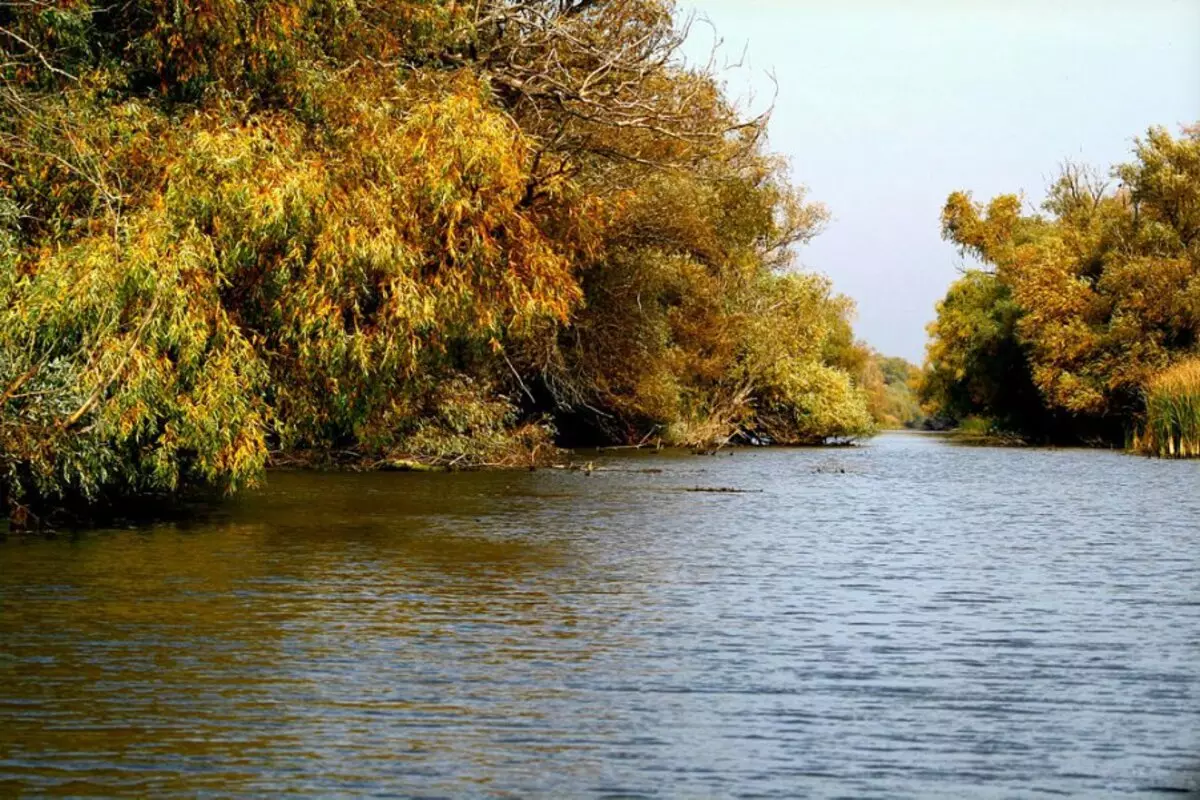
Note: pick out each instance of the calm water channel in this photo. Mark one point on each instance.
(908, 618)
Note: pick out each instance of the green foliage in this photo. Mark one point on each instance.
(977, 365)
(808, 403)
(693, 324)
(891, 386)
(401, 231)
(897, 370)
(1086, 304)
(123, 373)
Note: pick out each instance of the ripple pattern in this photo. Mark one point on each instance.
(905, 619)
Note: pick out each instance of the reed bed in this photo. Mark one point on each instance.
(1172, 428)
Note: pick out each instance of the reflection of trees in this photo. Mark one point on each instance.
(323, 618)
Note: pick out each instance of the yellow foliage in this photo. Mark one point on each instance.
(1172, 425)
(1106, 286)
(381, 232)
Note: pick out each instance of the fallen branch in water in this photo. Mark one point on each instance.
(590, 467)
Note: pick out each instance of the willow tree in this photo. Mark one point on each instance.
(692, 232)
(1106, 282)
(696, 327)
(243, 232)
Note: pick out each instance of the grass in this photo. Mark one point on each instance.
(1172, 428)
(985, 432)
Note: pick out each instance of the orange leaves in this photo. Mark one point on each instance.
(367, 257)
(466, 169)
(1106, 288)
(369, 224)
(687, 324)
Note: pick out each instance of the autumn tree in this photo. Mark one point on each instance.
(1103, 286)
(241, 233)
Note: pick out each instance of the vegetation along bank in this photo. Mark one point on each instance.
(1082, 322)
(425, 232)
(323, 232)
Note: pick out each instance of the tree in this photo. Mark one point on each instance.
(976, 364)
(299, 231)
(1105, 286)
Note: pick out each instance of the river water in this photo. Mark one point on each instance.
(909, 618)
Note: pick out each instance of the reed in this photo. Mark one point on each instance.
(1172, 428)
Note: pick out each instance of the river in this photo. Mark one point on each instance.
(909, 618)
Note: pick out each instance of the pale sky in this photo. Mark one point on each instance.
(885, 107)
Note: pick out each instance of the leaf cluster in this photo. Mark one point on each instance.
(235, 233)
(1086, 302)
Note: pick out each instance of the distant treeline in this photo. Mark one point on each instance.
(243, 232)
(891, 385)
(1083, 325)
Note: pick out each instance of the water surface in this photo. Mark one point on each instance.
(909, 618)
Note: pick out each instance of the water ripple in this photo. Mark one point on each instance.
(907, 619)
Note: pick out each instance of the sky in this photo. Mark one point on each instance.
(886, 107)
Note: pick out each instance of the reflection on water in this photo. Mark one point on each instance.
(906, 618)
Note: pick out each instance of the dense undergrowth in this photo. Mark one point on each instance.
(1084, 323)
(321, 232)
